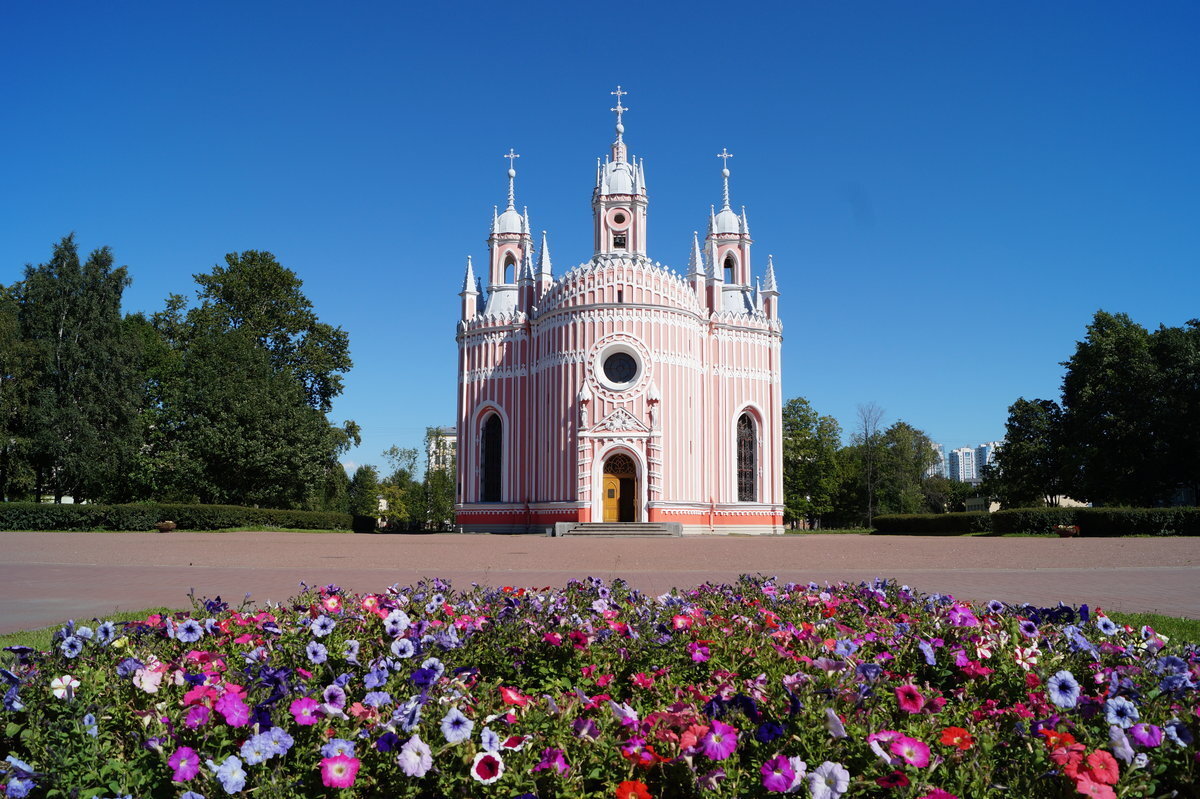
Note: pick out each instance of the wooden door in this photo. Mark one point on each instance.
(612, 498)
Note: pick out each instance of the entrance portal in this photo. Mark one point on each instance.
(620, 489)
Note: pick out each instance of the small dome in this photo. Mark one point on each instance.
(619, 177)
(728, 222)
(510, 222)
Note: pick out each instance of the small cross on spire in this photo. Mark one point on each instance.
(620, 109)
(725, 155)
(511, 155)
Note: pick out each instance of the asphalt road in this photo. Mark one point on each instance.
(46, 578)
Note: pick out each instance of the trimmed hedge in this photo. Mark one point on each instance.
(933, 523)
(44, 516)
(1100, 522)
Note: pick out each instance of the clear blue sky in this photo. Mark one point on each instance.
(950, 189)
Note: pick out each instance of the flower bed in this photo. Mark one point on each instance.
(754, 689)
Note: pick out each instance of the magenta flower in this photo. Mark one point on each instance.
(234, 709)
(197, 716)
(698, 651)
(961, 616)
(305, 711)
(339, 771)
(553, 759)
(777, 774)
(911, 751)
(1147, 735)
(720, 741)
(186, 764)
(909, 698)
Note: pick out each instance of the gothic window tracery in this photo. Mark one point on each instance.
(747, 459)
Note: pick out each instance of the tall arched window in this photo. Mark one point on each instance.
(510, 269)
(490, 458)
(730, 268)
(747, 459)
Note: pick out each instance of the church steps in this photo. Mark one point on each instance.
(619, 530)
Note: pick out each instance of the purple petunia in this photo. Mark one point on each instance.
(720, 741)
(317, 653)
(1147, 735)
(456, 727)
(777, 774)
(1063, 689)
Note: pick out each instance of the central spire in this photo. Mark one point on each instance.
(511, 155)
(619, 144)
(725, 155)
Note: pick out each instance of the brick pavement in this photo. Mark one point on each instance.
(46, 578)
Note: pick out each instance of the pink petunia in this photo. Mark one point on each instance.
(185, 763)
(938, 793)
(339, 771)
(553, 759)
(911, 751)
(305, 711)
(720, 741)
(234, 709)
(909, 698)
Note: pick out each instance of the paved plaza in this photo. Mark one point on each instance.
(46, 578)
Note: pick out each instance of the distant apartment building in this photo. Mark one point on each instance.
(442, 447)
(961, 465)
(938, 468)
(985, 455)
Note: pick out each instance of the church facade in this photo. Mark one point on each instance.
(620, 390)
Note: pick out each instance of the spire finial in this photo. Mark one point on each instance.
(511, 155)
(725, 155)
(620, 109)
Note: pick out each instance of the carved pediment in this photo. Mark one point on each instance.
(621, 420)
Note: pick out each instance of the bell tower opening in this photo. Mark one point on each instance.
(620, 489)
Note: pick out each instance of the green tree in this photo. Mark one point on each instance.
(810, 461)
(943, 495)
(1029, 466)
(16, 476)
(867, 442)
(1108, 397)
(905, 455)
(253, 293)
(1176, 352)
(404, 495)
(440, 474)
(363, 491)
(79, 424)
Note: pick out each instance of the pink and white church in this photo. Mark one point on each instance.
(619, 390)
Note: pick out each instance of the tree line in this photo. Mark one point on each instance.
(1125, 429)
(880, 471)
(221, 400)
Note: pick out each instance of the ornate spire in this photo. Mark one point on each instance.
(745, 222)
(618, 148)
(469, 279)
(525, 222)
(724, 155)
(758, 305)
(544, 266)
(770, 281)
(512, 173)
(696, 262)
(495, 219)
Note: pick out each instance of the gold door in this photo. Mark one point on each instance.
(612, 498)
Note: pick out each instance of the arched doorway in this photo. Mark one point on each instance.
(491, 459)
(620, 489)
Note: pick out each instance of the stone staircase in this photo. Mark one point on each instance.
(619, 529)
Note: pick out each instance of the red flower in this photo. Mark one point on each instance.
(632, 789)
(1095, 790)
(1101, 767)
(512, 696)
(909, 698)
(894, 780)
(958, 737)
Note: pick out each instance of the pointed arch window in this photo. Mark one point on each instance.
(491, 459)
(510, 268)
(747, 459)
(730, 268)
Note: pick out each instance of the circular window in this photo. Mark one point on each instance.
(619, 219)
(620, 368)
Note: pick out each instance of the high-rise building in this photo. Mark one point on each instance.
(985, 455)
(961, 463)
(938, 468)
